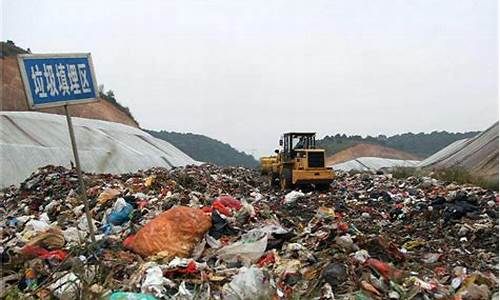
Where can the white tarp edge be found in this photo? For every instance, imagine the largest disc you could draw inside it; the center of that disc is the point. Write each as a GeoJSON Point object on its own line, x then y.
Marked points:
{"type": "Point", "coordinates": [29, 140]}
{"type": "Point", "coordinates": [373, 164]}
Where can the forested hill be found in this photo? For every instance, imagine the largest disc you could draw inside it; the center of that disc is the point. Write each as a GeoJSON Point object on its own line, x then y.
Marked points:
{"type": "Point", "coordinates": [203, 148]}
{"type": "Point", "coordinates": [420, 144]}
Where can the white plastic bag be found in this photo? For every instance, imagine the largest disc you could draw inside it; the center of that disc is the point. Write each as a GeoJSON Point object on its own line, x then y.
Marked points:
{"type": "Point", "coordinates": [36, 226]}
{"type": "Point", "coordinates": [66, 287]}
{"type": "Point", "coordinates": [73, 235]}
{"type": "Point", "coordinates": [84, 225]}
{"type": "Point", "coordinates": [267, 229]}
{"type": "Point", "coordinates": [246, 251]}
{"type": "Point", "coordinates": [154, 283]}
{"type": "Point", "coordinates": [293, 196]}
{"type": "Point", "coordinates": [249, 283]}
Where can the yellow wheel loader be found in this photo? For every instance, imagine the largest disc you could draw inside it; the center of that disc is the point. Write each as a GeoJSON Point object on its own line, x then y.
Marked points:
{"type": "Point", "coordinates": [298, 163]}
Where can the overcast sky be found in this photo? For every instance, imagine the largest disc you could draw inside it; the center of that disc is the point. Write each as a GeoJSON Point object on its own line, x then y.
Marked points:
{"type": "Point", "coordinates": [244, 72]}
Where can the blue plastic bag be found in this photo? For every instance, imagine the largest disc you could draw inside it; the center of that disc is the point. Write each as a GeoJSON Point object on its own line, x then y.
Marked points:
{"type": "Point", "coordinates": [121, 215]}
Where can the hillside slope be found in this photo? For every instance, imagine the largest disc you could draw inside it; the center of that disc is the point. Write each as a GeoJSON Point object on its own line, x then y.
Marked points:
{"type": "Point", "coordinates": [369, 150]}
{"type": "Point", "coordinates": [420, 144]}
{"type": "Point", "coordinates": [13, 97]}
{"type": "Point", "coordinates": [205, 149]}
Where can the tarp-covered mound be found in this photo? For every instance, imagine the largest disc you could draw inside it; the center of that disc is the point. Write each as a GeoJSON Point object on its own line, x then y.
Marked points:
{"type": "Point", "coordinates": [478, 155]}
{"type": "Point", "coordinates": [373, 164]}
{"type": "Point", "coordinates": [29, 140]}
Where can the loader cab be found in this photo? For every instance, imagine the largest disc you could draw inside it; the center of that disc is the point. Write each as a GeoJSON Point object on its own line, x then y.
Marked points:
{"type": "Point", "coordinates": [294, 143]}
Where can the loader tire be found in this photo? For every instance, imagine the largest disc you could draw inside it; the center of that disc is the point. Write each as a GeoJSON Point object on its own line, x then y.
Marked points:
{"type": "Point", "coordinates": [286, 179]}
{"type": "Point", "coordinates": [325, 187]}
{"type": "Point", "coordinates": [271, 180]}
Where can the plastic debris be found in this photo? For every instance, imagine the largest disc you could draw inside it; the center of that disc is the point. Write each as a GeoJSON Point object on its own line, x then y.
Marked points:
{"type": "Point", "coordinates": [247, 251]}
{"type": "Point", "coordinates": [107, 195]}
{"type": "Point", "coordinates": [293, 196]}
{"type": "Point", "coordinates": [66, 287]}
{"type": "Point", "coordinates": [120, 213]}
{"type": "Point", "coordinates": [154, 282]}
{"type": "Point", "coordinates": [223, 233]}
{"type": "Point", "coordinates": [249, 283]}
{"type": "Point", "coordinates": [335, 274]}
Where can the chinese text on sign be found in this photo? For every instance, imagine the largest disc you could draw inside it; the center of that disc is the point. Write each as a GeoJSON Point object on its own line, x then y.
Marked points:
{"type": "Point", "coordinates": [58, 80]}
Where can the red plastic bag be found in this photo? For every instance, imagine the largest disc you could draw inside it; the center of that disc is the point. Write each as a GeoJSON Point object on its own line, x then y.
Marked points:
{"type": "Point", "coordinates": [386, 270]}
{"type": "Point", "coordinates": [229, 201]}
{"type": "Point", "coordinates": [224, 203]}
{"type": "Point", "coordinates": [190, 269]}
{"type": "Point", "coordinates": [42, 253]}
{"type": "Point", "coordinates": [266, 260]}
{"type": "Point", "coordinates": [221, 208]}
{"type": "Point", "coordinates": [174, 233]}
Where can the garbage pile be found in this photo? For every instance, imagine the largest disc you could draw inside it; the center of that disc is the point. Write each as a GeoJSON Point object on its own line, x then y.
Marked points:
{"type": "Point", "coordinates": [204, 232]}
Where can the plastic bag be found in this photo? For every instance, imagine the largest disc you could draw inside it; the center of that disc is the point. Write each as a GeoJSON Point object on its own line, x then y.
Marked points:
{"type": "Point", "coordinates": [325, 212]}
{"type": "Point", "coordinates": [249, 283]}
{"type": "Point", "coordinates": [154, 283]}
{"type": "Point", "coordinates": [42, 253]}
{"type": "Point", "coordinates": [220, 226]}
{"type": "Point", "coordinates": [345, 242]}
{"type": "Point", "coordinates": [73, 235]}
{"type": "Point", "coordinates": [269, 229]}
{"type": "Point", "coordinates": [229, 201]}
{"type": "Point", "coordinates": [184, 293]}
{"type": "Point", "coordinates": [386, 270]}
{"type": "Point", "coordinates": [223, 204]}
{"type": "Point", "coordinates": [66, 287]}
{"type": "Point", "coordinates": [107, 195]}
{"type": "Point", "coordinates": [361, 256]}
{"type": "Point", "coordinates": [185, 266]}
{"type": "Point", "coordinates": [247, 250]}
{"type": "Point", "coordinates": [247, 208]}
{"type": "Point", "coordinates": [293, 196]}
{"type": "Point", "coordinates": [121, 212]}
{"type": "Point", "coordinates": [36, 226]}
{"type": "Point", "coordinates": [174, 233]}
{"type": "Point", "coordinates": [84, 225]}
{"type": "Point", "coordinates": [335, 274]}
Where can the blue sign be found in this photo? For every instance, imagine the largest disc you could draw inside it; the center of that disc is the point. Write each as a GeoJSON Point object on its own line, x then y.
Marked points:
{"type": "Point", "coordinates": [58, 79]}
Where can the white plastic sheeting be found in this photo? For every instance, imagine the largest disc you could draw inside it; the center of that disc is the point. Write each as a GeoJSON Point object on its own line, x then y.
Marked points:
{"type": "Point", "coordinates": [443, 153]}
{"type": "Point", "coordinates": [478, 155]}
{"type": "Point", "coordinates": [373, 164]}
{"type": "Point", "coordinates": [466, 152]}
{"type": "Point", "coordinates": [29, 140]}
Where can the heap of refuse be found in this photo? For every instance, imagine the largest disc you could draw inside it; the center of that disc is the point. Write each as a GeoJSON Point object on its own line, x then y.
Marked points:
{"type": "Point", "coordinates": [204, 232]}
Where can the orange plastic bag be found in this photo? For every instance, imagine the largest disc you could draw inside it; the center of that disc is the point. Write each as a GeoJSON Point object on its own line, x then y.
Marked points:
{"type": "Point", "coordinates": [173, 233]}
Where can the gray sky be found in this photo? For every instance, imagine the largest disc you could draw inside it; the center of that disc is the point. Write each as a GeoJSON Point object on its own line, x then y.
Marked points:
{"type": "Point", "coordinates": [246, 71]}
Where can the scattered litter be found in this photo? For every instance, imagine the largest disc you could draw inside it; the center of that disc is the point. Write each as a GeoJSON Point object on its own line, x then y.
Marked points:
{"type": "Point", "coordinates": [206, 232]}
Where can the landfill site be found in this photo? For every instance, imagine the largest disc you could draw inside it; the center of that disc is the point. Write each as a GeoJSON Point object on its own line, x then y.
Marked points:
{"type": "Point", "coordinates": [94, 207]}
{"type": "Point", "coordinates": [169, 227]}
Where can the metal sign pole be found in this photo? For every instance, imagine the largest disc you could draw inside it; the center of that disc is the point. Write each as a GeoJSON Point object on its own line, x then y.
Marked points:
{"type": "Point", "coordinates": [83, 191]}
